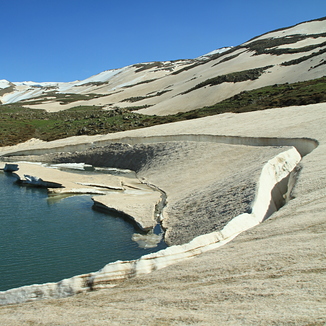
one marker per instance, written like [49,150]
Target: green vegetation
[3,91]
[295,50]
[260,46]
[142,82]
[97,83]
[304,58]
[235,77]
[285,28]
[301,93]
[227,58]
[197,63]
[156,64]
[135,108]
[267,45]
[144,66]
[62,98]
[18,124]
[134,99]
[139,98]
[215,56]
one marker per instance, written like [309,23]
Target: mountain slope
[288,55]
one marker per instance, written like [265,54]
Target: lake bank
[44,239]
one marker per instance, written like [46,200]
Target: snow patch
[21,95]
[113,273]
[217,51]
[4,83]
[101,77]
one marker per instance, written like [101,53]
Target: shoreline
[110,275]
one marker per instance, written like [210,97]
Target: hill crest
[287,55]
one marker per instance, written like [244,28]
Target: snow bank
[221,50]
[4,83]
[274,171]
[101,77]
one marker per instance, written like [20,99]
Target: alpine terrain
[229,151]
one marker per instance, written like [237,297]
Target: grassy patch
[6,90]
[263,46]
[301,93]
[227,59]
[135,108]
[18,124]
[295,50]
[304,58]
[139,98]
[142,82]
[95,83]
[62,98]
[215,56]
[267,45]
[196,64]
[157,64]
[250,74]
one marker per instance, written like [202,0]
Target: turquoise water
[42,240]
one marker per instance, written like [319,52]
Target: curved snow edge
[114,273]
[303,145]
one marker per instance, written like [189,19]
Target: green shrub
[18,124]
[235,77]
[304,58]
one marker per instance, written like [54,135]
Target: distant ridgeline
[281,68]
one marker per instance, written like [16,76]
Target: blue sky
[66,40]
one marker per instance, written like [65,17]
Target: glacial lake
[46,240]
